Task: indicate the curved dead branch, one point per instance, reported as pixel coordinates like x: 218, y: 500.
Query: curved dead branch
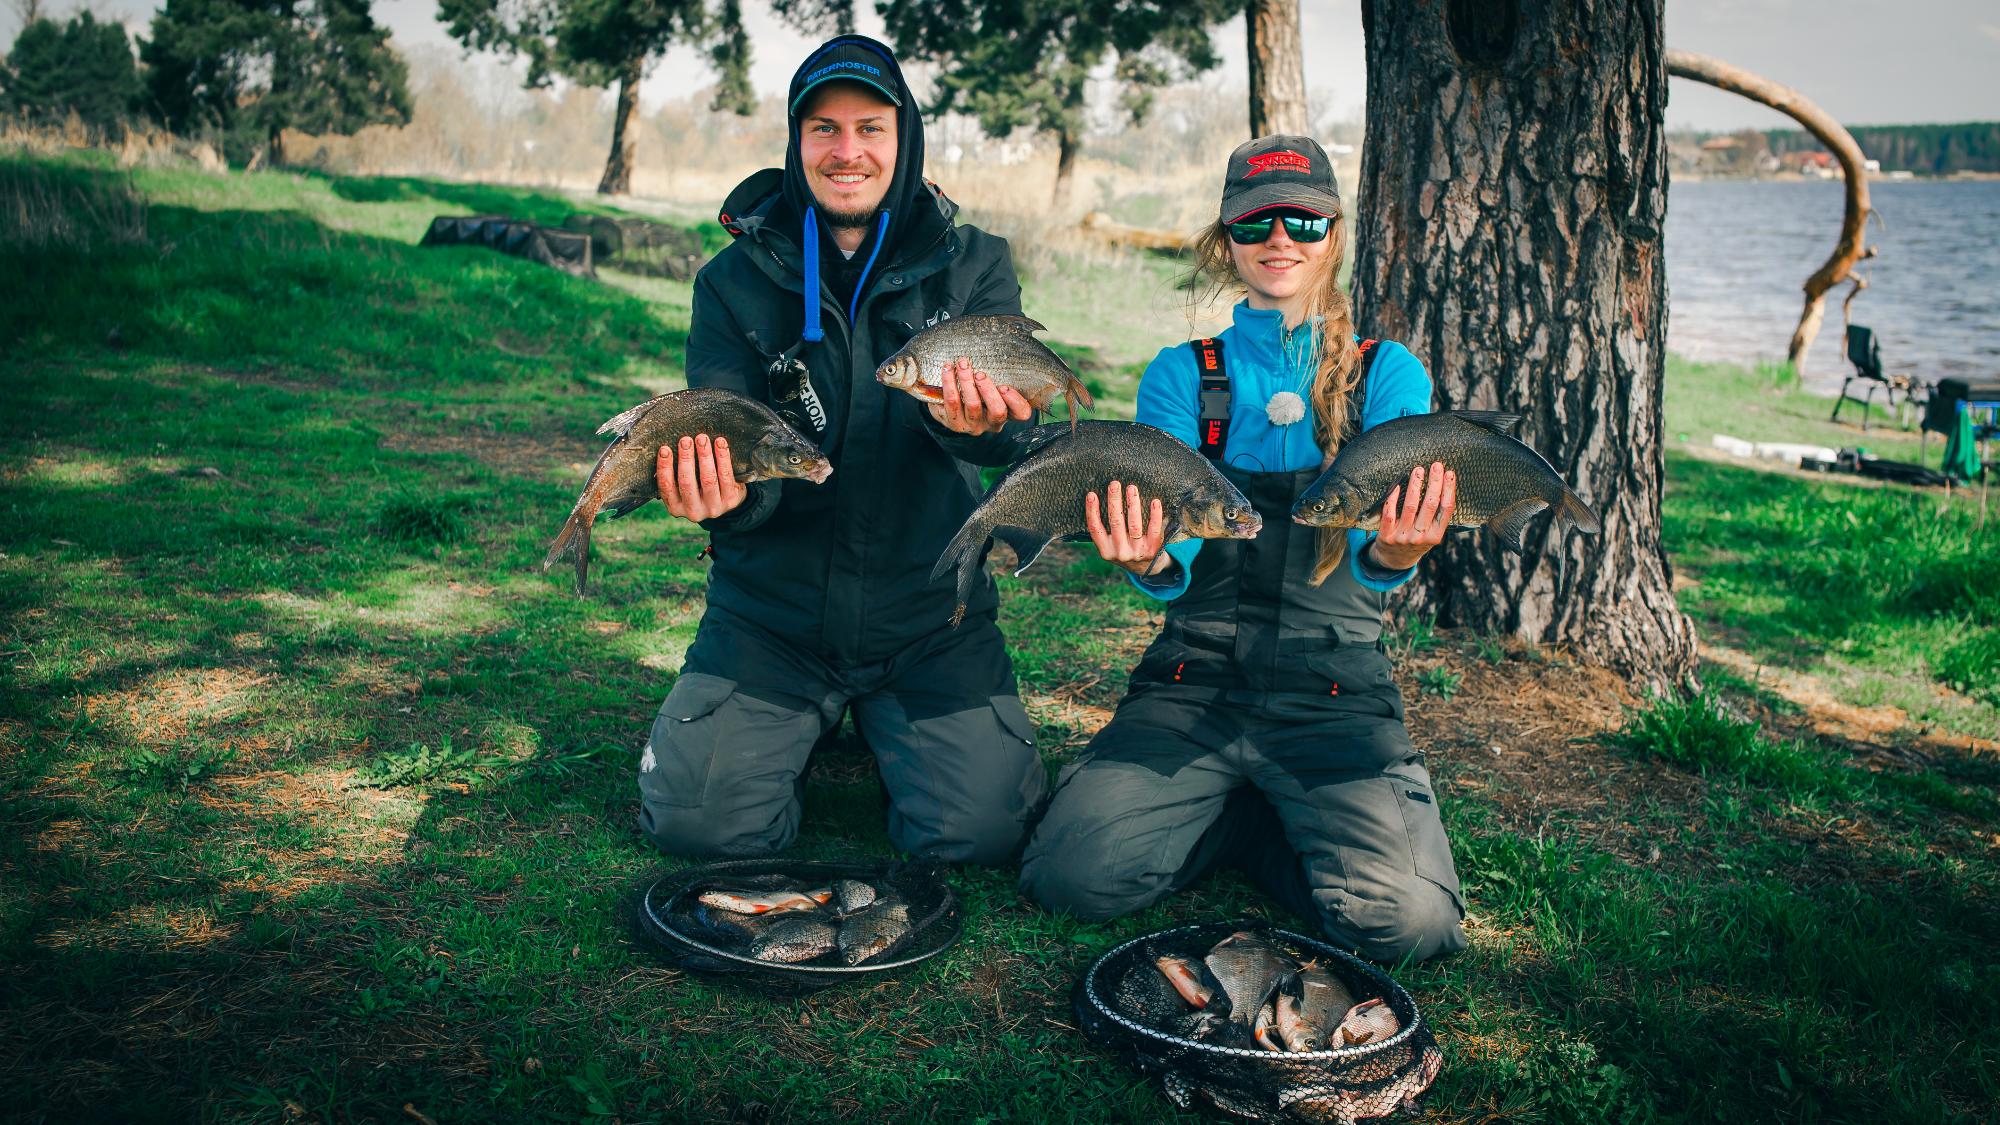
x: 1851, y: 248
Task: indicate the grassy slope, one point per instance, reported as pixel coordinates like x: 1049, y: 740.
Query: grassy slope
x: 274, y: 484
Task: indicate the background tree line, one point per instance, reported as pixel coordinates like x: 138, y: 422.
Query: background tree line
x: 246, y: 70
x: 1936, y: 150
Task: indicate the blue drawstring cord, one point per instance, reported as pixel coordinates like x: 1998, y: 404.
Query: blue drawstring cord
x: 810, y: 236
x: 881, y: 232
x: 814, y: 332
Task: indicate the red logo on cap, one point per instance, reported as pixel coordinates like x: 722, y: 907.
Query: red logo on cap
x: 1283, y: 158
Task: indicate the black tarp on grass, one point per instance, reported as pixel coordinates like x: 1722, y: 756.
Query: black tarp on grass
x: 641, y: 246
x: 566, y: 250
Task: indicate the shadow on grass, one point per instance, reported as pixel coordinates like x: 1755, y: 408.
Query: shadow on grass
x: 548, y: 209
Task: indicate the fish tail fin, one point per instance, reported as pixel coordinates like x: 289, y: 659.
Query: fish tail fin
x: 1571, y: 510
x: 573, y: 541
x: 963, y: 553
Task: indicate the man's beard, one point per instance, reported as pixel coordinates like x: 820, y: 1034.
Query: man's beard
x: 848, y: 220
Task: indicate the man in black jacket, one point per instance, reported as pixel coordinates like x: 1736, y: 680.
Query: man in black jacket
x: 820, y: 597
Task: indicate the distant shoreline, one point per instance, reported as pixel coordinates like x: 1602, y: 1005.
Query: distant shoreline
x: 1890, y: 177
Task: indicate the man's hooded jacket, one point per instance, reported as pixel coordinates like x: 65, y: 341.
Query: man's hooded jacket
x: 843, y: 568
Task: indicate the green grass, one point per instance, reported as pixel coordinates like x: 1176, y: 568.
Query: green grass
x: 318, y: 796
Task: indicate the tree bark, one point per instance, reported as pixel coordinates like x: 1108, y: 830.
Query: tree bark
x: 624, y: 132
x: 1838, y: 141
x: 274, y: 151
x: 1067, y: 144
x: 1512, y: 201
x: 1277, y: 68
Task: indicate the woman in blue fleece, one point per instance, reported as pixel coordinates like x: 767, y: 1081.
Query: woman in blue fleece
x: 1263, y: 728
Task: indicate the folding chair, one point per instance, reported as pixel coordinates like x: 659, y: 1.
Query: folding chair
x: 1866, y: 356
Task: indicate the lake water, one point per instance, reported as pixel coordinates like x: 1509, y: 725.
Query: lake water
x: 1737, y: 253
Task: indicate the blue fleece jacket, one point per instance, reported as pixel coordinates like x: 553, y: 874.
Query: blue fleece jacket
x: 1262, y: 361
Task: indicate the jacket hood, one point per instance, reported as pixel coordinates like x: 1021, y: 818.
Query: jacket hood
x: 906, y: 180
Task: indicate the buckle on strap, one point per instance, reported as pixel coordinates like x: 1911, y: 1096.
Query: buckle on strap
x: 1215, y: 396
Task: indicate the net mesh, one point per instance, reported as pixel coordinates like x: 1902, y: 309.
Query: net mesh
x: 667, y: 915
x: 1124, y: 1003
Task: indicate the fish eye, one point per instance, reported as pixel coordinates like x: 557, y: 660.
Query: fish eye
x: 794, y: 459
x: 1319, y: 505
x: 1230, y: 513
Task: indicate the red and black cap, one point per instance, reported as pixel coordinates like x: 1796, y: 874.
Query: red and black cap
x: 1279, y: 171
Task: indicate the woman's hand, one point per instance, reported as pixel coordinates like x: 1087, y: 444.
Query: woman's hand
x: 1127, y: 533
x: 697, y: 480
x: 974, y: 404
x: 1412, y: 528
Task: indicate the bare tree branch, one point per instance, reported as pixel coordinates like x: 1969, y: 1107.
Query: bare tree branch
x: 1851, y: 248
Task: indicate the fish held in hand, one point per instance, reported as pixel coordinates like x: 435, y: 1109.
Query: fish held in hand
x: 1003, y: 347
x: 795, y: 939
x: 1041, y: 499
x: 1502, y: 482
x: 761, y: 447
x: 873, y: 932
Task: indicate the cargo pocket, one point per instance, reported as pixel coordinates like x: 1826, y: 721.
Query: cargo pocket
x: 1430, y: 850
x: 686, y: 736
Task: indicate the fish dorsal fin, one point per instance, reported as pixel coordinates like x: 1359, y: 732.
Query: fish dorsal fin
x: 1499, y: 421
x: 622, y: 424
x: 1020, y: 324
x: 1030, y: 441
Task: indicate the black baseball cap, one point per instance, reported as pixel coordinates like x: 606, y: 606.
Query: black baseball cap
x: 1279, y: 171
x: 847, y: 59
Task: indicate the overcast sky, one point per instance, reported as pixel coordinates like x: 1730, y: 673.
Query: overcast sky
x: 1863, y: 61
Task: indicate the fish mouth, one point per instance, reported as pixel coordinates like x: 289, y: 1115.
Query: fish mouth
x: 820, y: 472
x: 1248, y: 529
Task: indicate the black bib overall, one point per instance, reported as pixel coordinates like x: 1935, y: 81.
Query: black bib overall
x: 1262, y: 728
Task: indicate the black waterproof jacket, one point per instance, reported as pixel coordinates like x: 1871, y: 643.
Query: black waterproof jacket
x: 842, y: 569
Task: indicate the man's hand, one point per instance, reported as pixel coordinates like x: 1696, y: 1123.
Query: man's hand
x: 697, y: 480
x: 1125, y: 533
x: 973, y: 404
x: 1412, y: 528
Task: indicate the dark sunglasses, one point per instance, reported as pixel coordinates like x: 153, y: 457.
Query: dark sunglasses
x: 1300, y: 228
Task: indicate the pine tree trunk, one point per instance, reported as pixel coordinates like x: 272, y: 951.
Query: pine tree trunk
x: 1513, y: 197
x: 1067, y: 144
x: 624, y: 132
x: 274, y: 150
x: 1277, y: 68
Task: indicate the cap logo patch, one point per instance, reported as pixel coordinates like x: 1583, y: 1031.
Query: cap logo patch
x: 1283, y: 159
x: 822, y: 72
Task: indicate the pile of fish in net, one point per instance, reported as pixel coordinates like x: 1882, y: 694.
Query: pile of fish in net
x: 801, y: 920
x: 1263, y: 1025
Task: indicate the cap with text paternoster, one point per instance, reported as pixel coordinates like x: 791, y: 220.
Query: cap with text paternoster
x: 1279, y: 171
x: 847, y: 60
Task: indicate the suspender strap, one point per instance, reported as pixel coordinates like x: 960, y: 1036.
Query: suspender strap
x: 1215, y: 397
